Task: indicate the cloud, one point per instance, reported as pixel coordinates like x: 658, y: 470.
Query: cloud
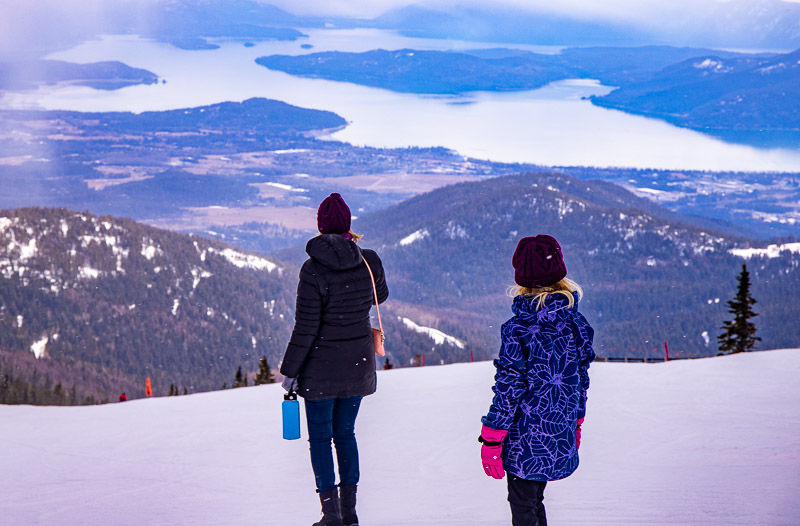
x: 30, y: 28
x: 623, y: 10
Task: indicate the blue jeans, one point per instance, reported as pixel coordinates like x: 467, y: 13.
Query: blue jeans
x: 333, y: 418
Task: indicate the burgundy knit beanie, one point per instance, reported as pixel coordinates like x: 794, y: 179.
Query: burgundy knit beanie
x: 333, y: 215
x: 538, y: 262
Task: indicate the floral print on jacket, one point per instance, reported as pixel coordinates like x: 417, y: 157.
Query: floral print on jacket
x: 540, y: 387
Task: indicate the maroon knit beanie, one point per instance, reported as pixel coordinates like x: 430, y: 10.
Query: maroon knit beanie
x: 538, y: 262
x: 333, y: 215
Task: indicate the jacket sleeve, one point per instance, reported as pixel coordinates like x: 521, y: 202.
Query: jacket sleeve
x: 510, y: 382
x: 307, y: 314
x: 587, y: 356
x: 380, y: 280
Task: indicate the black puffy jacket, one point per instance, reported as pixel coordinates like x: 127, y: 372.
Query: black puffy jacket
x: 331, y: 352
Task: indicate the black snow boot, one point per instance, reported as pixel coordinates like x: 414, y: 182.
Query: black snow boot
x: 347, y: 497
x: 331, y: 513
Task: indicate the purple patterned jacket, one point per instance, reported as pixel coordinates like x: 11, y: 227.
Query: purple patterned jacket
x: 540, y: 387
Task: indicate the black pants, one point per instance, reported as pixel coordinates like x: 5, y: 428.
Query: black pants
x: 526, y: 498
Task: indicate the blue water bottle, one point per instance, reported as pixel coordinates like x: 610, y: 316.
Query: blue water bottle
x: 291, y: 416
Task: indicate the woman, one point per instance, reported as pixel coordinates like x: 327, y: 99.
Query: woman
x: 330, y: 358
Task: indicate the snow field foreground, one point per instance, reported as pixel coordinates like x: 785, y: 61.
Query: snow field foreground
x: 701, y: 442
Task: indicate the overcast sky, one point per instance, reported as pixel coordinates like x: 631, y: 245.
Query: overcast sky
x: 620, y: 9
x: 48, y: 22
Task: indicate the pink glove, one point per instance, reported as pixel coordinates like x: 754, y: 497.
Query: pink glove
x: 578, y: 434
x: 490, y: 453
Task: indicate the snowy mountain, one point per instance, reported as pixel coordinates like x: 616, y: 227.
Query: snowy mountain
x: 649, y: 275
x: 101, y: 303
x: 132, y: 301
x: 711, y: 442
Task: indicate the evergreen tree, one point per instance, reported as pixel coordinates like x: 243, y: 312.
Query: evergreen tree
x: 739, y: 334
x: 264, y: 375
x: 238, y: 380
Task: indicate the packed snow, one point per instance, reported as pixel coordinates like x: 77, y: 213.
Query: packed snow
x: 287, y: 187
x: 246, y: 260
x: 5, y: 222
x: 149, y: 250
x: 27, y: 250
x: 438, y: 337
x: 414, y: 236
x: 771, y: 251
x: 197, y: 275
x: 697, y: 442
x: 40, y: 347
x: 712, y: 65
x: 291, y: 150
x: 88, y: 273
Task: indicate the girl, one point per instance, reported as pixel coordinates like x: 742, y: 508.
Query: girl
x: 330, y: 358
x: 533, y: 429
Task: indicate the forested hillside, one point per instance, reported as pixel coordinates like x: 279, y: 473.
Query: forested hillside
x: 648, y: 278
x: 121, y: 299
x: 98, y: 304
x: 738, y: 98
x: 99, y: 75
x: 91, y: 306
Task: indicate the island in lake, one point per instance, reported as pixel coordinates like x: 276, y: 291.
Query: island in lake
x: 99, y: 75
x: 745, y: 98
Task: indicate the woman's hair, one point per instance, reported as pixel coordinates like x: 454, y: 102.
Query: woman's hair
x: 566, y: 287
x: 355, y: 237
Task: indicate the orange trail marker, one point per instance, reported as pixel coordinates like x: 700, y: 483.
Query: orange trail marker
x: 149, y: 388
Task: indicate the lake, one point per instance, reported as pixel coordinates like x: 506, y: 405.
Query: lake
x: 553, y: 125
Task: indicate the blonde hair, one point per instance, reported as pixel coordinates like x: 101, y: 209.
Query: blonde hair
x: 356, y: 237
x: 566, y: 287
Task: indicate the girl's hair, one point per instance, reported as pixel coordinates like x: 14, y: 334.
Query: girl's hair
x: 356, y: 237
x: 566, y: 287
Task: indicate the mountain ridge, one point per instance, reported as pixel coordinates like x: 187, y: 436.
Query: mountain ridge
x: 641, y: 272
x: 101, y: 303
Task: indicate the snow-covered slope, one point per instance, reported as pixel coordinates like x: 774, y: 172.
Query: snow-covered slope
x: 707, y: 442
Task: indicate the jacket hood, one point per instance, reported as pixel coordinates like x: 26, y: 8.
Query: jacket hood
x: 334, y: 251
x: 555, y: 307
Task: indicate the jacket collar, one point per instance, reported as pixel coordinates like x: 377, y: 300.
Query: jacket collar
x: 555, y: 306
x: 334, y: 251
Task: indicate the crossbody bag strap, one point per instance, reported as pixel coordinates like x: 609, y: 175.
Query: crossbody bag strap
x: 375, y: 294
